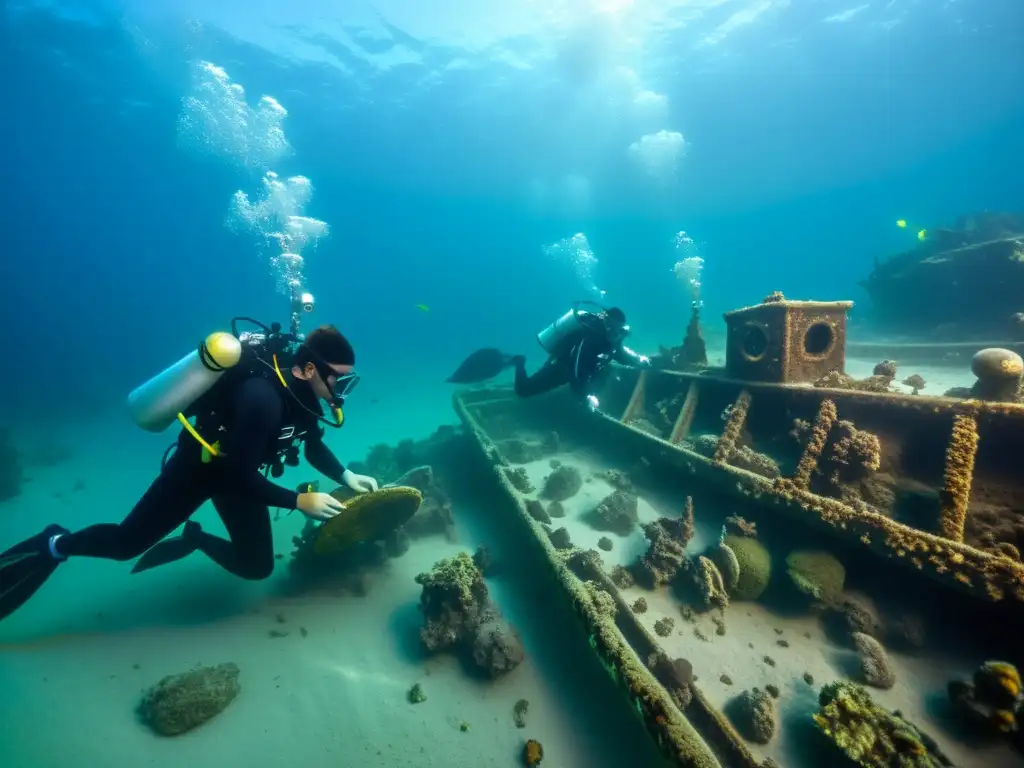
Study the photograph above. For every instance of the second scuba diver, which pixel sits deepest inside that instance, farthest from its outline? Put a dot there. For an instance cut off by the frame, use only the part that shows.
(248, 417)
(580, 346)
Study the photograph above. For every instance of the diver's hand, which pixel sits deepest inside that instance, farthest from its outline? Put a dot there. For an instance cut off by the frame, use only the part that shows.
(644, 361)
(359, 483)
(593, 403)
(319, 506)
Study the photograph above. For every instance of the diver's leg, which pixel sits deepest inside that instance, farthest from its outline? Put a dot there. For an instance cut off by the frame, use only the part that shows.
(25, 567)
(250, 553)
(178, 491)
(172, 498)
(550, 375)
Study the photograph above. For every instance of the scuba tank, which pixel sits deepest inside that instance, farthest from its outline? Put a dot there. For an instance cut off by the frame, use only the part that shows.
(155, 405)
(164, 399)
(573, 321)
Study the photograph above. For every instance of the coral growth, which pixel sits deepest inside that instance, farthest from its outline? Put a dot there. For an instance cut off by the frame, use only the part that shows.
(350, 569)
(738, 526)
(519, 712)
(915, 382)
(955, 495)
(459, 616)
(533, 753)
(536, 510)
(620, 481)
(520, 480)
(853, 613)
(710, 583)
(415, 695)
(603, 603)
(815, 443)
(845, 462)
(668, 537)
(663, 627)
(563, 483)
(753, 712)
(869, 735)
(999, 373)
(737, 418)
(874, 662)
(816, 573)
(179, 703)
(560, 538)
(617, 513)
(675, 675)
(755, 564)
(835, 379)
(727, 563)
(993, 704)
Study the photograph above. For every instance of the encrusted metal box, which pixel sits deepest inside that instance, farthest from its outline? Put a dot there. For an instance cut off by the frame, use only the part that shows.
(786, 342)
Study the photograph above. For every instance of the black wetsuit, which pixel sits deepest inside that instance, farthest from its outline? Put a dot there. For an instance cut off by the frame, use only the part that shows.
(259, 420)
(579, 362)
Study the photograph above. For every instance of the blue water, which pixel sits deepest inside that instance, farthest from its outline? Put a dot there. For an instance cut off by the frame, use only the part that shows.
(430, 132)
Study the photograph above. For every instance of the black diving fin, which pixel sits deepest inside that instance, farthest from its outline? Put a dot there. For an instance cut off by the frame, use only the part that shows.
(24, 568)
(170, 550)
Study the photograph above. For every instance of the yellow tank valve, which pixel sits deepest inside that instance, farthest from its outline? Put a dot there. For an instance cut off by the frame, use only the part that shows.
(221, 351)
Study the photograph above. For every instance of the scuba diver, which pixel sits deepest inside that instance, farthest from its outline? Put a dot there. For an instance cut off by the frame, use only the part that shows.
(251, 413)
(580, 345)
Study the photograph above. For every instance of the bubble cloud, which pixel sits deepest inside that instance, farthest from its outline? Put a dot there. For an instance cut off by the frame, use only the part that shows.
(577, 253)
(217, 120)
(657, 155)
(277, 218)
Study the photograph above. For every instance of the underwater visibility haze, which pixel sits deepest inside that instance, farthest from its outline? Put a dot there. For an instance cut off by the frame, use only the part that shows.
(687, 336)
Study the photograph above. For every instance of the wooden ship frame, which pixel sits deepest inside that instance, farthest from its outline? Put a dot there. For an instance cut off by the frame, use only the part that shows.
(939, 492)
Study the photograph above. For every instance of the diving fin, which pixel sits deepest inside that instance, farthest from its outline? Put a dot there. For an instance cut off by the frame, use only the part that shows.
(170, 550)
(24, 568)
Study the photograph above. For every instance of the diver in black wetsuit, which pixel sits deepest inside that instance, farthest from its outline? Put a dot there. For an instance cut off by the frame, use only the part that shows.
(580, 345)
(255, 418)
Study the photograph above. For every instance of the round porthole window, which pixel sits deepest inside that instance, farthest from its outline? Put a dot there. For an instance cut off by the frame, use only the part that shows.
(753, 341)
(818, 339)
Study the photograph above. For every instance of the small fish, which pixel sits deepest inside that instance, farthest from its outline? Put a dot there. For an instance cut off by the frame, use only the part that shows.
(901, 223)
(922, 234)
(422, 307)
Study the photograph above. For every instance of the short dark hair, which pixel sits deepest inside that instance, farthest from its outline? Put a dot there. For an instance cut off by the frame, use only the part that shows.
(616, 315)
(328, 343)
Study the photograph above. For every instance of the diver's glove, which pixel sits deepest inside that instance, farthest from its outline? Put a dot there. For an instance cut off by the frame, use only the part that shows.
(643, 361)
(359, 483)
(318, 506)
(593, 402)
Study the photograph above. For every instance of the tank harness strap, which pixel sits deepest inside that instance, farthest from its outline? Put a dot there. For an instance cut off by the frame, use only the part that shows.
(210, 451)
(576, 363)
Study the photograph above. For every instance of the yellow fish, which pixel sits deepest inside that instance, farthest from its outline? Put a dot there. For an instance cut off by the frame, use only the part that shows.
(422, 307)
(922, 234)
(901, 223)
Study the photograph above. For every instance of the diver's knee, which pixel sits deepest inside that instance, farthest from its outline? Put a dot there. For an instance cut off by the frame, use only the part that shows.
(258, 571)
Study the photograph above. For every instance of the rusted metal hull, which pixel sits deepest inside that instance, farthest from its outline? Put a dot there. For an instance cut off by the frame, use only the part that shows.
(947, 496)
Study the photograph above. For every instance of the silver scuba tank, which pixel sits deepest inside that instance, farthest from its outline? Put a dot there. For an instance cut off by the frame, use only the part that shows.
(155, 404)
(552, 337)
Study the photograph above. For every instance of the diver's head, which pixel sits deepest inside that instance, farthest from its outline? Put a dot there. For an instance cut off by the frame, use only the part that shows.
(615, 323)
(325, 360)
